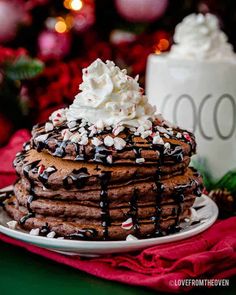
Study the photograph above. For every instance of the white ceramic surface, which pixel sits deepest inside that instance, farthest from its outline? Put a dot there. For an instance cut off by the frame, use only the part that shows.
(199, 96)
(207, 213)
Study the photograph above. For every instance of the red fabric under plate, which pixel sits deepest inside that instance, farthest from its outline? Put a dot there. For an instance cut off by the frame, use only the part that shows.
(211, 254)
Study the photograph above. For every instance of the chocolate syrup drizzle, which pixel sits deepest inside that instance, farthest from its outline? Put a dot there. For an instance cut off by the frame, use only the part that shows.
(83, 234)
(33, 167)
(45, 229)
(77, 178)
(104, 202)
(133, 213)
(5, 195)
(44, 176)
(159, 191)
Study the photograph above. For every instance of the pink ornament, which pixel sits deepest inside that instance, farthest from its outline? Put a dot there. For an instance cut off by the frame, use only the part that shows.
(141, 10)
(84, 18)
(12, 13)
(53, 45)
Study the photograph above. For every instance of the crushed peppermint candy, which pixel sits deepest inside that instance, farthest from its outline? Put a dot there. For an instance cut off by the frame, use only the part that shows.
(93, 130)
(119, 143)
(140, 129)
(140, 160)
(133, 129)
(128, 224)
(96, 141)
(12, 224)
(26, 146)
(83, 123)
(75, 137)
(109, 159)
(146, 133)
(117, 130)
(41, 169)
(50, 169)
(83, 140)
(42, 137)
(167, 145)
(187, 136)
(66, 134)
(51, 234)
(178, 135)
(161, 129)
(157, 140)
(34, 232)
(72, 125)
(58, 117)
(146, 124)
(82, 130)
(48, 127)
(131, 238)
(108, 141)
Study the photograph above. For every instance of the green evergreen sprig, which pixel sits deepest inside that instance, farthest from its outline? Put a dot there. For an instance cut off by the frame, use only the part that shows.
(228, 181)
(23, 68)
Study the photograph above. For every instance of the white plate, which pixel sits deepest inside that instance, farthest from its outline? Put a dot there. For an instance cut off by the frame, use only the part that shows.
(206, 212)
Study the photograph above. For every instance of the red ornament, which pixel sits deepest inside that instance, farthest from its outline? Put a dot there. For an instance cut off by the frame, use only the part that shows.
(53, 45)
(141, 10)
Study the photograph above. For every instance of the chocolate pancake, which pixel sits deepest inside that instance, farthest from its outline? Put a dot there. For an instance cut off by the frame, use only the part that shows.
(105, 167)
(74, 228)
(119, 210)
(136, 147)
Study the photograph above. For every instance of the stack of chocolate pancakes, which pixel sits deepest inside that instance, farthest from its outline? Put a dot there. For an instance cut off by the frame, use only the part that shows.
(100, 191)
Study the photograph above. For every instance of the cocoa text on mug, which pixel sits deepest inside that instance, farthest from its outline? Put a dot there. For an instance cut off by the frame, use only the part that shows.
(209, 106)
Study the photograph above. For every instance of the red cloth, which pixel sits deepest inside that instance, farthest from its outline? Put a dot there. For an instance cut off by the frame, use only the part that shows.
(7, 155)
(211, 254)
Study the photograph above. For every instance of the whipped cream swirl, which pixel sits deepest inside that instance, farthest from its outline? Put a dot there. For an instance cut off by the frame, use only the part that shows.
(109, 95)
(199, 37)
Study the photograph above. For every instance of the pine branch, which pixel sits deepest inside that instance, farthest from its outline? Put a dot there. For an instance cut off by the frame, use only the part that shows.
(228, 181)
(24, 68)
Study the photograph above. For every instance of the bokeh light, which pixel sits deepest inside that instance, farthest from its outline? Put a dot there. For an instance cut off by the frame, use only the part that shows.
(73, 4)
(60, 25)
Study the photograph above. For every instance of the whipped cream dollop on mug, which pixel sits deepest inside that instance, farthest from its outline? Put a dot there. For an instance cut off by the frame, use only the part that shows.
(109, 94)
(199, 37)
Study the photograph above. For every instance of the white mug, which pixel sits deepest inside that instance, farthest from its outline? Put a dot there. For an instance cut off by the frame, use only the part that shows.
(199, 96)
